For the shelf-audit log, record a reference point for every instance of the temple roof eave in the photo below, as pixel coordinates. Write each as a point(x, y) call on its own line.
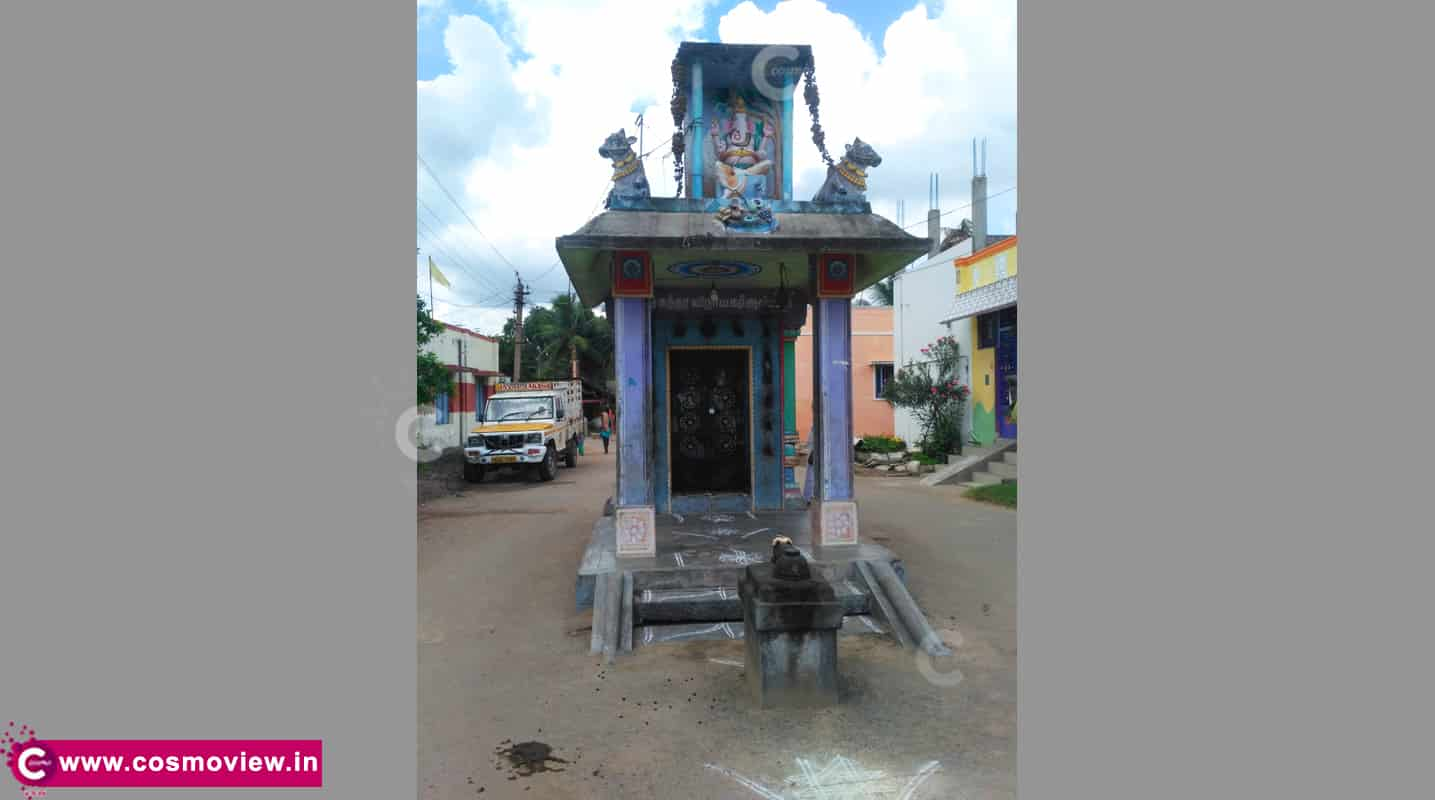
point(881, 246)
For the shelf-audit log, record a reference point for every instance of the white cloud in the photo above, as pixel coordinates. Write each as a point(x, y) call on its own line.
point(941, 82)
point(515, 137)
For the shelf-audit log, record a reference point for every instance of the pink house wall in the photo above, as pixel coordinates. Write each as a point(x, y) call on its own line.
point(871, 341)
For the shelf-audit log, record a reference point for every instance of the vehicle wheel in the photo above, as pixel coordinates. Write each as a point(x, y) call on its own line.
point(570, 454)
point(548, 468)
point(473, 473)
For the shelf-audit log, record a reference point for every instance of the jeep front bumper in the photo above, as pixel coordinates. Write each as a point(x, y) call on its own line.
point(529, 454)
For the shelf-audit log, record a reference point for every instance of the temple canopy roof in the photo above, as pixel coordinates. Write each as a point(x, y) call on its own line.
point(727, 65)
point(737, 224)
point(676, 238)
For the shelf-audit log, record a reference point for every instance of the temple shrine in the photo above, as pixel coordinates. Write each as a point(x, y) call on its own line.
point(706, 293)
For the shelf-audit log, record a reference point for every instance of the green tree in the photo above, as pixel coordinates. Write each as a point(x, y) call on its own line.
point(551, 333)
point(530, 349)
point(883, 292)
point(433, 377)
point(932, 391)
point(570, 328)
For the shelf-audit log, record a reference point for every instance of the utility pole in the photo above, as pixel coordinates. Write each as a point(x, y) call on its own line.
point(979, 197)
point(573, 335)
point(520, 295)
point(461, 437)
point(934, 215)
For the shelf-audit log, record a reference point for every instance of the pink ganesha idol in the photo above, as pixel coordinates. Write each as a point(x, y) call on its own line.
point(743, 151)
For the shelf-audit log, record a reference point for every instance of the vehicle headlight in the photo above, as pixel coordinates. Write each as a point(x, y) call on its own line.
point(534, 438)
point(475, 441)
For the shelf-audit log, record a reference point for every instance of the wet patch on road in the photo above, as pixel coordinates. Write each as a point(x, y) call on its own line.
point(526, 758)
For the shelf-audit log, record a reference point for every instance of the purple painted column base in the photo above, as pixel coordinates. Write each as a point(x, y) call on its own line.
point(834, 509)
point(635, 527)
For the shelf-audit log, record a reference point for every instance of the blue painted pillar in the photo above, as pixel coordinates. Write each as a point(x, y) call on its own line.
point(789, 85)
point(695, 108)
point(834, 509)
point(636, 533)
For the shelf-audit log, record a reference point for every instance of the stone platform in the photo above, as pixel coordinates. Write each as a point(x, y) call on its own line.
point(688, 590)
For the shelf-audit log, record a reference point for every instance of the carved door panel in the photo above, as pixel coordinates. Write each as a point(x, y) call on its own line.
point(709, 412)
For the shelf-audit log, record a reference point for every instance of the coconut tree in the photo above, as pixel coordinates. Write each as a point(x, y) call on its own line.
point(569, 331)
point(883, 292)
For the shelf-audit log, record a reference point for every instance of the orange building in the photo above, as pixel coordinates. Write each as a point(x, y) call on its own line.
point(871, 369)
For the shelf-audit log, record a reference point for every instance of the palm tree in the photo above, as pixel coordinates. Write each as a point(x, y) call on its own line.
point(569, 330)
point(883, 292)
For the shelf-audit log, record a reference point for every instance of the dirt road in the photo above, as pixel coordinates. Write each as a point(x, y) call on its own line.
point(503, 661)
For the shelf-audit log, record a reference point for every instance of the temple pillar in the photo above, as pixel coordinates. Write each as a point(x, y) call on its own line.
point(834, 509)
point(633, 514)
point(695, 109)
point(790, 436)
point(789, 84)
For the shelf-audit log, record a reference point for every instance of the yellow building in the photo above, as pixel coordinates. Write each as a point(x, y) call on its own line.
point(986, 295)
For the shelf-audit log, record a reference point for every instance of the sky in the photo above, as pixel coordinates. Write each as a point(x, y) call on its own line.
point(514, 98)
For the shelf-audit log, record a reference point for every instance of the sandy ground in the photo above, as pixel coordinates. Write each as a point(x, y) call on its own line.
point(503, 660)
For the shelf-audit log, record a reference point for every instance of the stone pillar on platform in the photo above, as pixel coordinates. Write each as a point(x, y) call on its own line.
point(636, 527)
point(834, 508)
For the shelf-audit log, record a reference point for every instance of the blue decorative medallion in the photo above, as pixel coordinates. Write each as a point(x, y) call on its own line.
point(714, 269)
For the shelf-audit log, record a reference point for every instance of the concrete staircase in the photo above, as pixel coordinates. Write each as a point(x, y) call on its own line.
point(671, 613)
point(998, 470)
point(978, 466)
point(645, 608)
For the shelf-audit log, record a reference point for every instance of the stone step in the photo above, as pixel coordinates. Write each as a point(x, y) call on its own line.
point(1003, 469)
point(710, 604)
point(852, 625)
point(1010, 457)
point(987, 478)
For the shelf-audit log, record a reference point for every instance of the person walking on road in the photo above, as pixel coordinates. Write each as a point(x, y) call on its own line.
point(605, 428)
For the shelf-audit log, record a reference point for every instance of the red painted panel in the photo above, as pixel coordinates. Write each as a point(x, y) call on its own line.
point(836, 273)
point(632, 274)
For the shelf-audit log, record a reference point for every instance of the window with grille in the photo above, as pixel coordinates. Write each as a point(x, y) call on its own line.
point(881, 373)
point(440, 409)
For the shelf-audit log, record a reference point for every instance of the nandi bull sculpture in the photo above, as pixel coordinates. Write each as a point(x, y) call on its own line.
point(847, 179)
point(630, 183)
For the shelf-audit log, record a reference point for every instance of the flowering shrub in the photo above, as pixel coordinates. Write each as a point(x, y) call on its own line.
point(881, 444)
point(932, 391)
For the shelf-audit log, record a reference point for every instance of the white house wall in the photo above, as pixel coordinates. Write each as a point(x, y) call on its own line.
point(478, 353)
point(922, 297)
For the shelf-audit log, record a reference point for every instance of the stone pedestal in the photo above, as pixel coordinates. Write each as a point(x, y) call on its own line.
point(790, 625)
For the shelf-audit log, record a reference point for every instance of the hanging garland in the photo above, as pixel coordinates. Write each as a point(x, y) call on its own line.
point(809, 93)
point(680, 111)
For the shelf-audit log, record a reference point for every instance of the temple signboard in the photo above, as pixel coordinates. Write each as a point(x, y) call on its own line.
point(730, 303)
